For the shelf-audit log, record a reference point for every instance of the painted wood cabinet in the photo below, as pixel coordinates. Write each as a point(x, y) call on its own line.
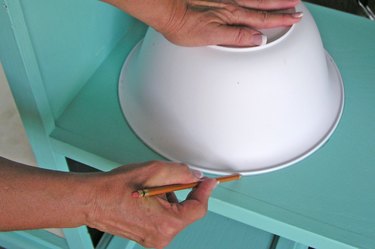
point(63, 59)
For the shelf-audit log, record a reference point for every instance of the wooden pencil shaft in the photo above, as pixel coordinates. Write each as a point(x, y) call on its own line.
point(228, 178)
point(168, 188)
point(175, 187)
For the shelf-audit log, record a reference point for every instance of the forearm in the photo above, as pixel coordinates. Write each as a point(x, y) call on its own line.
point(34, 198)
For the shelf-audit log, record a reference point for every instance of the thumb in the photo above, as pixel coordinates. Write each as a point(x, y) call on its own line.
point(196, 204)
point(238, 36)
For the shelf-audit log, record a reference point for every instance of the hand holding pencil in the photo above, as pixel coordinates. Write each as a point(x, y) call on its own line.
point(152, 222)
point(175, 187)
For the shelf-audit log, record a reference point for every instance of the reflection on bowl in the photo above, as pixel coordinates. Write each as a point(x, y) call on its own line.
point(224, 110)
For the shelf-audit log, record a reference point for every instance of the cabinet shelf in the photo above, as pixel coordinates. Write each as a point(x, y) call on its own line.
point(306, 202)
point(93, 125)
point(325, 201)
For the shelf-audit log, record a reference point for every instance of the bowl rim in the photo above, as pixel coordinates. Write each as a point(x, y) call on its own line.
point(285, 163)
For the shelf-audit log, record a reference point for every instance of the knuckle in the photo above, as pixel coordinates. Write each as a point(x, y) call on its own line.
point(232, 14)
point(169, 229)
point(241, 37)
point(260, 3)
point(184, 167)
point(156, 169)
point(156, 164)
point(177, 39)
point(264, 16)
point(286, 19)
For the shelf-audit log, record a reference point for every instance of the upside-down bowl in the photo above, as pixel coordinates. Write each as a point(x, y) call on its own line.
point(224, 110)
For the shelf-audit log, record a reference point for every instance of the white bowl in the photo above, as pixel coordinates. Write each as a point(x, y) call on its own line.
point(225, 110)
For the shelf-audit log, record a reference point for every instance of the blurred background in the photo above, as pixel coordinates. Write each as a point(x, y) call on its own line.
point(364, 8)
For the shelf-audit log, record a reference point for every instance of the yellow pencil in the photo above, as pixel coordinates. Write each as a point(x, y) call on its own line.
point(174, 187)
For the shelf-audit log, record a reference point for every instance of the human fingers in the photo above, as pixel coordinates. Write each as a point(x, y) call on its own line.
point(232, 14)
point(228, 24)
point(268, 4)
point(236, 36)
point(266, 19)
point(158, 173)
point(151, 221)
point(169, 197)
point(196, 204)
point(176, 216)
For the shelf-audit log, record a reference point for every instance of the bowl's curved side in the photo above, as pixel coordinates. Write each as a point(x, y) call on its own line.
point(222, 112)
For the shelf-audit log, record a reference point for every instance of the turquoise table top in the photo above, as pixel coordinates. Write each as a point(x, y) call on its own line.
point(325, 201)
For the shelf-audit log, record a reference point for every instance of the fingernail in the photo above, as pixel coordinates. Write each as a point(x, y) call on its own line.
point(216, 184)
point(198, 174)
point(260, 39)
point(297, 15)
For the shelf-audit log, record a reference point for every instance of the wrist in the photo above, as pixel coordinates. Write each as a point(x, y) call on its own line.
point(88, 190)
point(105, 191)
point(76, 193)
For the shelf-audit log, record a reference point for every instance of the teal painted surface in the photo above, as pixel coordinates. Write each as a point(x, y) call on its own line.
point(71, 39)
point(33, 239)
point(104, 242)
point(22, 71)
point(84, 156)
point(278, 220)
point(28, 53)
point(80, 124)
point(323, 201)
point(212, 232)
point(327, 200)
point(215, 231)
point(283, 243)
point(78, 238)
